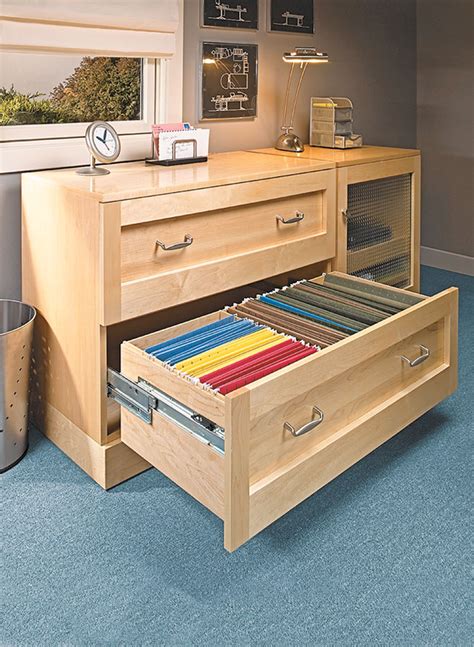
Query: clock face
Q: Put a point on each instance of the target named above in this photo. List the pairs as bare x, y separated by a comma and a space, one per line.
103, 141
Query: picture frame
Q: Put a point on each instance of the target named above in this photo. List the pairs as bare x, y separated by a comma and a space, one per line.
229, 14
291, 16
228, 81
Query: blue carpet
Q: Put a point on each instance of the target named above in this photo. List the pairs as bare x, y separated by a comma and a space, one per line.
380, 556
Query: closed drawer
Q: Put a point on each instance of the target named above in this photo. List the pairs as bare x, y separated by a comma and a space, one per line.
175, 244
366, 387
182, 247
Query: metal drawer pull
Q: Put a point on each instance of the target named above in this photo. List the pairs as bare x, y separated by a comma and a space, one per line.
308, 426
425, 353
188, 240
289, 221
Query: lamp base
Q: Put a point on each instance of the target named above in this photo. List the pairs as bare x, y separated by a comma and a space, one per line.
290, 143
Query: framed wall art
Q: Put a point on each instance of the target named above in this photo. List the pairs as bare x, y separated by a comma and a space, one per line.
229, 80
296, 16
233, 14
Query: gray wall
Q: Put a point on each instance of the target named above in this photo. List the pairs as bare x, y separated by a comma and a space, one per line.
10, 237
372, 47
445, 132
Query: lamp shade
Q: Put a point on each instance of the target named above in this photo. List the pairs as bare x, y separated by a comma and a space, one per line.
142, 28
305, 55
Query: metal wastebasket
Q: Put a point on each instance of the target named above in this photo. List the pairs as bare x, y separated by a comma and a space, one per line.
16, 335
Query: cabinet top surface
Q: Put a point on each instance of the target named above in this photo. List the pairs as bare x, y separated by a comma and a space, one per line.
136, 179
346, 157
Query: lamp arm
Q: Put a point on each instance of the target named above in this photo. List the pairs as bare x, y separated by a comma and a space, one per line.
298, 87
287, 94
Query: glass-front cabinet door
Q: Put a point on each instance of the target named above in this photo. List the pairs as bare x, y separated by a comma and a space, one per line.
378, 221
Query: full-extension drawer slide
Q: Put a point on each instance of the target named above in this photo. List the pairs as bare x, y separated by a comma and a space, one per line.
142, 398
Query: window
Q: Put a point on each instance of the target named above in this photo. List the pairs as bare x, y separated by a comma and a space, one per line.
46, 96
45, 136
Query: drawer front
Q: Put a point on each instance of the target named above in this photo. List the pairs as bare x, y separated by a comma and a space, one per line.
344, 386
366, 392
283, 489
366, 388
200, 238
199, 245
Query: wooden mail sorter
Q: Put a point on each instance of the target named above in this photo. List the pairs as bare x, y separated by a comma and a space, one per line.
117, 263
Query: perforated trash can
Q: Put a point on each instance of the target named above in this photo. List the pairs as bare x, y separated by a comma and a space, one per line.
16, 335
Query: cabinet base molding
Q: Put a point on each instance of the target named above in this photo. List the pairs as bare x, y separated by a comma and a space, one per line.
108, 464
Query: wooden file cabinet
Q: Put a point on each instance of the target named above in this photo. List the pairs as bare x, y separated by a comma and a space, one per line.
105, 290
378, 211
93, 269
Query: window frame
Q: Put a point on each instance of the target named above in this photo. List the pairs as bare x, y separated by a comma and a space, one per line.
35, 132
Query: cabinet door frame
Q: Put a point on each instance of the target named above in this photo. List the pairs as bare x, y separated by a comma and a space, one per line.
374, 171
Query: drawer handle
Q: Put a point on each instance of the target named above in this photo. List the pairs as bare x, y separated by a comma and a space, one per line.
309, 426
425, 353
188, 240
289, 221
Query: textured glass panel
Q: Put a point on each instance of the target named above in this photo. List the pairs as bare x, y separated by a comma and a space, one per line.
379, 230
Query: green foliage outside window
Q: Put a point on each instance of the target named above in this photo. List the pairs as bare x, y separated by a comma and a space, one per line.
18, 109
99, 88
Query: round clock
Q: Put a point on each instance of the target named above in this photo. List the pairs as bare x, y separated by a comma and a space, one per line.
103, 144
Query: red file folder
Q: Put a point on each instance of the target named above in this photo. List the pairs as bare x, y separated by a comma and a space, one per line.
257, 366
252, 377
243, 364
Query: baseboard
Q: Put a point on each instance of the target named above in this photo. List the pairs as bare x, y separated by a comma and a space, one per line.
447, 260
108, 464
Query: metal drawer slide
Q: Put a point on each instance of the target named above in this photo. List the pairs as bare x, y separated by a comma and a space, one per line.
142, 398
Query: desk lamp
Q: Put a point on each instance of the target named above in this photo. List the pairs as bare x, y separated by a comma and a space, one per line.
302, 56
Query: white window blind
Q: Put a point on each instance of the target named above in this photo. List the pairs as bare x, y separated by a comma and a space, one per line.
134, 28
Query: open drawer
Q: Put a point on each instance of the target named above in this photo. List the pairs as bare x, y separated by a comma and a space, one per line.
234, 452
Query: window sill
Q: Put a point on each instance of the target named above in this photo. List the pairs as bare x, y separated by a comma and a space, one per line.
35, 155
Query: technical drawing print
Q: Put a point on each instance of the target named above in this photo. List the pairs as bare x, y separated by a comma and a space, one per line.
229, 81
292, 15
233, 14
